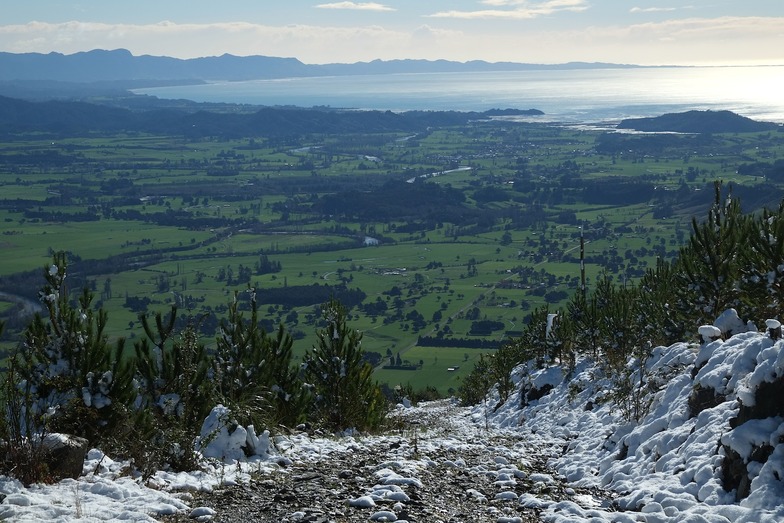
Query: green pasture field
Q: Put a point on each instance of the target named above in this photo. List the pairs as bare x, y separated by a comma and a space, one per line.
435, 369
28, 192
31, 244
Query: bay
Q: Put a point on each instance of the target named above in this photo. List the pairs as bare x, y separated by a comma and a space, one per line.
565, 95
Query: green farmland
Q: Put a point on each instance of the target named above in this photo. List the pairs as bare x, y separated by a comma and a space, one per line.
452, 234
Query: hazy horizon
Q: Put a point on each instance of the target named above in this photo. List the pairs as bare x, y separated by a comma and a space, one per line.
646, 32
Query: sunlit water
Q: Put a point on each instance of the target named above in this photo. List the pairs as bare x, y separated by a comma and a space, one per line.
593, 95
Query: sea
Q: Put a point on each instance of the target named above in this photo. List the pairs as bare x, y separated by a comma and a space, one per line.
571, 96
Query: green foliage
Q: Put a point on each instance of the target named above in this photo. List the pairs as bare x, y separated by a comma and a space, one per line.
64, 377
174, 393
18, 452
150, 408
22, 454
531, 345
710, 262
345, 394
74, 380
583, 314
661, 322
474, 388
729, 260
500, 370
254, 373
762, 265
619, 331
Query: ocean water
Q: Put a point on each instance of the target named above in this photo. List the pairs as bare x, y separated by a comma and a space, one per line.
572, 96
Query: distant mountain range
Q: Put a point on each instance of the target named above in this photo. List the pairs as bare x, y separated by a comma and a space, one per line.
121, 67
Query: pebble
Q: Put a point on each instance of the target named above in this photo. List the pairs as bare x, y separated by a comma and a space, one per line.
465, 476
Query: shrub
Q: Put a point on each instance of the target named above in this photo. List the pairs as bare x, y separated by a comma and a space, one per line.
475, 387
762, 267
345, 394
175, 394
76, 381
63, 377
253, 371
710, 262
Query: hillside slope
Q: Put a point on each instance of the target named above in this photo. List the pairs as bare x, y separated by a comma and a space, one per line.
697, 122
709, 449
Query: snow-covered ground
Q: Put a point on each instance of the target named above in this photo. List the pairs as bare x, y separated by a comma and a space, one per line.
667, 467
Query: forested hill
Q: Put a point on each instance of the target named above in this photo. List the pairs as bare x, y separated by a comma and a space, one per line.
58, 118
698, 122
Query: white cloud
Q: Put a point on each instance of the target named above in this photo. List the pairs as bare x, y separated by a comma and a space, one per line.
723, 27
730, 39
526, 10
654, 9
362, 6
429, 32
547, 4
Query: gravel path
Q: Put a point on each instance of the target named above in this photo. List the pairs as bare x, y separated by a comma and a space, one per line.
436, 466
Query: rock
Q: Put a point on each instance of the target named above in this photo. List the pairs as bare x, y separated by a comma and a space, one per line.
774, 329
730, 323
702, 398
709, 333
384, 515
362, 502
734, 475
767, 403
535, 393
389, 479
64, 455
202, 514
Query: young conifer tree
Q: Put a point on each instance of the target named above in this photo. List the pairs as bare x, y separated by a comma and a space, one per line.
253, 370
73, 380
710, 262
345, 394
762, 267
174, 394
657, 314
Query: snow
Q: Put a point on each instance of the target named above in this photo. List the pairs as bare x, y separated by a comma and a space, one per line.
730, 323
105, 496
668, 465
709, 332
663, 468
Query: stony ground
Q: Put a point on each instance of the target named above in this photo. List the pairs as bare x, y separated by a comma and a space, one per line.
435, 467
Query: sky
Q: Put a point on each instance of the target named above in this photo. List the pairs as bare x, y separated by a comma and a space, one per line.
646, 32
